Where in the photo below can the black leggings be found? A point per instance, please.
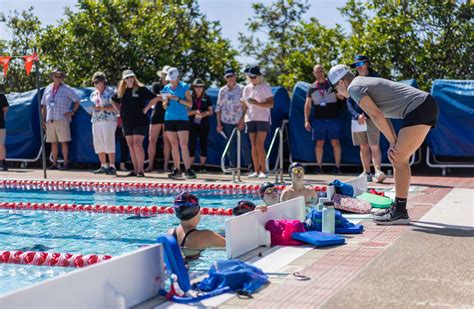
(123, 145)
(201, 131)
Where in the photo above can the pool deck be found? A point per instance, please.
(426, 264)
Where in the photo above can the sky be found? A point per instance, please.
(232, 14)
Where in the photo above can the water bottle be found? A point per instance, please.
(329, 218)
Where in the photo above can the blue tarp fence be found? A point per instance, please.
(24, 141)
(454, 132)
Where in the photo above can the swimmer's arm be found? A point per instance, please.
(213, 239)
(382, 123)
(262, 208)
(285, 195)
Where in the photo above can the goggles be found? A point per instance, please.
(297, 171)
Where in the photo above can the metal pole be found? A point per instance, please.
(43, 147)
(239, 150)
(281, 156)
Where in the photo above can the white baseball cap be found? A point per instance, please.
(127, 73)
(172, 74)
(337, 72)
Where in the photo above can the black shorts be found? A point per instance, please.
(426, 113)
(257, 126)
(127, 131)
(158, 115)
(176, 125)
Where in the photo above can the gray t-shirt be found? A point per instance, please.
(395, 100)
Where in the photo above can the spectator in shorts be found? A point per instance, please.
(382, 99)
(325, 122)
(199, 123)
(132, 95)
(229, 115)
(177, 102)
(57, 115)
(157, 125)
(269, 194)
(3, 132)
(367, 140)
(297, 187)
(191, 240)
(104, 124)
(257, 101)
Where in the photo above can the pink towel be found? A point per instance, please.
(281, 231)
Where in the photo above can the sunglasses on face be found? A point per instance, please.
(129, 77)
(57, 76)
(297, 171)
(359, 64)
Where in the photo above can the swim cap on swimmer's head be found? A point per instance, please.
(243, 207)
(186, 206)
(293, 166)
(264, 188)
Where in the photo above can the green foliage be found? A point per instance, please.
(111, 35)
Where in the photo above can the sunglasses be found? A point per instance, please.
(129, 77)
(57, 76)
(297, 171)
(359, 64)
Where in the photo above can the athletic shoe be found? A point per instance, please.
(3, 166)
(383, 213)
(140, 174)
(131, 174)
(253, 175)
(53, 167)
(368, 175)
(111, 171)
(190, 174)
(262, 175)
(64, 167)
(336, 171)
(318, 170)
(101, 170)
(379, 176)
(175, 174)
(393, 217)
(202, 169)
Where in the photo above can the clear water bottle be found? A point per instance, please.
(329, 218)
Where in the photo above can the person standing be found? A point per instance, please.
(132, 95)
(258, 100)
(104, 124)
(3, 132)
(324, 123)
(157, 125)
(382, 99)
(199, 123)
(367, 140)
(57, 114)
(229, 115)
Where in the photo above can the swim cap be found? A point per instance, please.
(243, 207)
(294, 165)
(186, 206)
(264, 188)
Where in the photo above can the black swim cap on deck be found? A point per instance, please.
(186, 206)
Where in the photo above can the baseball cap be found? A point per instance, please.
(228, 72)
(186, 206)
(172, 74)
(127, 73)
(293, 166)
(337, 72)
(243, 207)
(57, 71)
(198, 82)
(164, 70)
(253, 71)
(264, 188)
(359, 60)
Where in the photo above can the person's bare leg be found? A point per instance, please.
(365, 157)
(253, 144)
(65, 151)
(102, 158)
(166, 151)
(183, 137)
(54, 153)
(153, 133)
(376, 156)
(173, 138)
(131, 148)
(319, 152)
(111, 158)
(139, 152)
(336, 148)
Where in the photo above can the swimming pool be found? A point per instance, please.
(92, 233)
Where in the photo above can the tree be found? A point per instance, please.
(420, 39)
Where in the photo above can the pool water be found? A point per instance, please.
(92, 233)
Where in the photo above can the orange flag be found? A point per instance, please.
(29, 62)
(4, 60)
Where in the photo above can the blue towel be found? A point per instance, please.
(343, 188)
(314, 222)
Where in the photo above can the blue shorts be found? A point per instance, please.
(326, 129)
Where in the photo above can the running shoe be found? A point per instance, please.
(53, 167)
(379, 176)
(111, 171)
(131, 174)
(101, 170)
(140, 174)
(368, 175)
(262, 175)
(318, 170)
(253, 175)
(393, 217)
(190, 174)
(175, 174)
(336, 171)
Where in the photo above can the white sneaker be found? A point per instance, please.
(379, 176)
(262, 175)
(253, 175)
